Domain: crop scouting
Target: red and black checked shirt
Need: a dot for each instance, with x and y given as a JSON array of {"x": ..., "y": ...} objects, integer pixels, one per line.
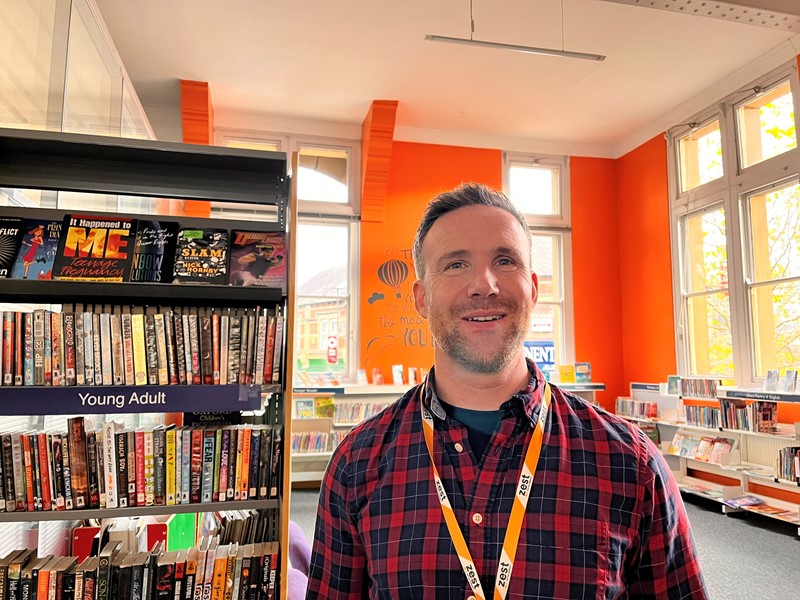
[{"x": 604, "y": 519}]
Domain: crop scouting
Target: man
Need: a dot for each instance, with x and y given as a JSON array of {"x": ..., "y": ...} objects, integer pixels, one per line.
[{"x": 485, "y": 481}]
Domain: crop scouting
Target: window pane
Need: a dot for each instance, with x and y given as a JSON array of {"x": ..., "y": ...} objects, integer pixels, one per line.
[
  {"x": 322, "y": 302},
  {"x": 705, "y": 252},
  {"x": 766, "y": 126},
  {"x": 776, "y": 336},
  {"x": 26, "y": 44},
  {"x": 710, "y": 341},
  {"x": 322, "y": 175},
  {"x": 252, "y": 145},
  {"x": 700, "y": 156},
  {"x": 534, "y": 189},
  {"x": 546, "y": 264},
  {"x": 775, "y": 233}
]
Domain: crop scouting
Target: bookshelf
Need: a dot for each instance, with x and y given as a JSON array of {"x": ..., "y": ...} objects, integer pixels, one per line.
[
  {"x": 142, "y": 168},
  {"x": 748, "y": 469}
]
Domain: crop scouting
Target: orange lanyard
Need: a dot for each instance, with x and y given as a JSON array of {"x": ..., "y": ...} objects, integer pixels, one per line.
[{"x": 514, "y": 528}]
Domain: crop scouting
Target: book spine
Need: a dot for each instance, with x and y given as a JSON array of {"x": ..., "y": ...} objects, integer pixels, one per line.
[
  {"x": 139, "y": 349},
  {"x": 225, "y": 448},
  {"x": 98, "y": 348},
  {"x": 178, "y": 457},
  {"x": 161, "y": 349},
  {"x": 48, "y": 348},
  {"x": 29, "y": 350},
  {"x": 170, "y": 467},
  {"x": 67, "y": 470},
  {"x": 244, "y": 339},
  {"x": 88, "y": 347},
  {"x": 110, "y": 464},
  {"x": 194, "y": 344},
  {"x": 224, "y": 327},
  {"x": 206, "y": 349},
  {"x": 187, "y": 346},
  {"x": 208, "y": 465},
  {"x": 278, "y": 346},
  {"x": 160, "y": 459},
  {"x": 20, "y": 488},
  {"x": 180, "y": 350},
  {"x": 8, "y": 473},
  {"x": 126, "y": 327},
  {"x": 8, "y": 348},
  {"x": 30, "y": 501},
  {"x": 244, "y": 487},
  {"x": 275, "y": 467},
  {"x": 217, "y": 462},
  {"x": 133, "y": 470},
  {"x": 215, "y": 349},
  {"x": 237, "y": 487},
  {"x": 234, "y": 345},
  {"x": 172, "y": 354},
  {"x": 264, "y": 463},
  {"x": 149, "y": 469},
  {"x": 44, "y": 472},
  {"x": 19, "y": 360},
  {"x": 80, "y": 361},
  {"x": 57, "y": 354},
  {"x": 106, "y": 350},
  {"x": 91, "y": 470},
  {"x": 117, "y": 346},
  {"x": 69, "y": 348},
  {"x": 36, "y": 470},
  {"x": 38, "y": 347},
  {"x": 255, "y": 452},
  {"x": 186, "y": 464},
  {"x": 261, "y": 337},
  {"x": 230, "y": 491},
  {"x": 141, "y": 481},
  {"x": 58, "y": 471},
  {"x": 252, "y": 335},
  {"x": 196, "y": 466},
  {"x": 191, "y": 572},
  {"x": 151, "y": 347},
  {"x": 121, "y": 445}
]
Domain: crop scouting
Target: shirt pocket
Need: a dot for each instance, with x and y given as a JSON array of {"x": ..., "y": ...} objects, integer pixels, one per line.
[{"x": 576, "y": 570}]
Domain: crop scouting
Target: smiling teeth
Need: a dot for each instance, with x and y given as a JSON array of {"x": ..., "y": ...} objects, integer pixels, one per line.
[{"x": 483, "y": 318}]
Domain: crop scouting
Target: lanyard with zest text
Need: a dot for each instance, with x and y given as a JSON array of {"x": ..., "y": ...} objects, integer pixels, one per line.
[{"x": 517, "y": 511}]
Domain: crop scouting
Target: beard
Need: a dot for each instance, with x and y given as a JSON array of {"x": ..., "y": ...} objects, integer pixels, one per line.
[{"x": 493, "y": 355}]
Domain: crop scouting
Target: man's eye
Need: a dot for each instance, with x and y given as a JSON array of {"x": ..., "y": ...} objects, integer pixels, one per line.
[
  {"x": 505, "y": 262},
  {"x": 455, "y": 265}
]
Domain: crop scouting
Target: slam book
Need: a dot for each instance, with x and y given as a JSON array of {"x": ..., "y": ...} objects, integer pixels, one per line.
[
  {"x": 95, "y": 248},
  {"x": 154, "y": 251},
  {"x": 201, "y": 256}
]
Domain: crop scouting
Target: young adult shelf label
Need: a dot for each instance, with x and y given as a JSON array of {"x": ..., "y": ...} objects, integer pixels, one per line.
[{"x": 122, "y": 399}]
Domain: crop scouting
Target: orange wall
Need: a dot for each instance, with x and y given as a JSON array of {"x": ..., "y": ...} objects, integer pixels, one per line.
[
  {"x": 595, "y": 273},
  {"x": 391, "y": 330},
  {"x": 645, "y": 268}
]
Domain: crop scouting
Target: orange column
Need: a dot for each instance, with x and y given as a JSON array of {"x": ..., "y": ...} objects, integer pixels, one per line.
[{"x": 377, "y": 133}]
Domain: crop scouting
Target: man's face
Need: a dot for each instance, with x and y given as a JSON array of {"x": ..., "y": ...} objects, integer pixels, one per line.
[{"x": 478, "y": 291}]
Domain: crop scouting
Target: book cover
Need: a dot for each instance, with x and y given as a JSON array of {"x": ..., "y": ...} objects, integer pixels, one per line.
[
  {"x": 11, "y": 231},
  {"x": 95, "y": 248},
  {"x": 720, "y": 448},
  {"x": 37, "y": 249},
  {"x": 703, "y": 451},
  {"x": 201, "y": 256},
  {"x": 771, "y": 382},
  {"x": 154, "y": 251},
  {"x": 258, "y": 258}
]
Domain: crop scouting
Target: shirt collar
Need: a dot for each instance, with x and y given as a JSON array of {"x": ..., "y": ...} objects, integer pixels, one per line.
[{"x": 530, "y": 396}]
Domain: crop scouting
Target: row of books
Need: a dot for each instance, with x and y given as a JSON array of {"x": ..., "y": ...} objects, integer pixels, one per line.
[
  {"x": 759, "y": 416},
  {"x": 702, "y": 416},
  {"x": 355, "y": 412},
  {"x": 118, "y": 468},
  {"x": 787, "y": 464},
  {"x": 705, "y": 448},
  {"x": 115, "y": 248},
  {"x": 638, "y": 409},
  {"x": 108, "y": 345},
  {"x": 310, "y": 441},
  {"x": 699, "y": 387},
  {"x": 211, "y": 571},
  {"x": 786, "y": 384}
]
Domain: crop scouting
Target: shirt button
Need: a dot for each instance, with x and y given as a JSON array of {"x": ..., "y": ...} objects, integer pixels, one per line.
[
  {"x": 459, "y": 447},
  {"x": 470, "y": 597},
  {"x": 477, "y": 518}
]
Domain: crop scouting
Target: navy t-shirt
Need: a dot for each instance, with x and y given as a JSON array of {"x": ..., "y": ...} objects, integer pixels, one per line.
[{"x": 480, "y": 425}]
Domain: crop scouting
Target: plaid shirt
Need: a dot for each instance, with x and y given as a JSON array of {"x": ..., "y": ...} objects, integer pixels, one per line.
[{"x": 604, "y": 520}]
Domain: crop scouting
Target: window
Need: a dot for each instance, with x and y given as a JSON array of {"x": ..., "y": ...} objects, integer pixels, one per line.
[
  {"x": 700, "y": 156},
  {"x": 737, "y": 242},
  {"x": 536, "y": 185},
  {"x": 326, "y": 331}
]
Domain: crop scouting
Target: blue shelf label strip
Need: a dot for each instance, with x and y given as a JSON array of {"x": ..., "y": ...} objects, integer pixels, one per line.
[
  {"x": 649, "y": 387},
  {"x": 122, "y": 399}
]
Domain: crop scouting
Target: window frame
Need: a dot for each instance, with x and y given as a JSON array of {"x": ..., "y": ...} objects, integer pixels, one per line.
[
  {"x": 558, "y": 163},
  {"x": 731, "y": 191}
]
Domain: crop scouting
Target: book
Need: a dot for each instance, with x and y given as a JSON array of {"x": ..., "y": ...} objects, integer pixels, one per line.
[
  {"x": 258, "y": 258},
  {"x": 154, "y": 251},
  {"x": 771, "y": 382},
  {"x": 583, "y": 372},
  {"x": 37, "y": 249},
  {"x": 787, "y": 384},
  {"x": 201, "y": 256},
  {"x": 703, "y": 451},
  {"x": 93, "y": 248},
  {"x": 11, "y": 231}
]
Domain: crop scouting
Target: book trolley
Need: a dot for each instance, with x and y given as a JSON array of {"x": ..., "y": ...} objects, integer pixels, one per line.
[{"x": 79, "y": 163}]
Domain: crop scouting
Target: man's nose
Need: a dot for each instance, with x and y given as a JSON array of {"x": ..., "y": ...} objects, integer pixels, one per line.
[{"x": 483, "y": 282}]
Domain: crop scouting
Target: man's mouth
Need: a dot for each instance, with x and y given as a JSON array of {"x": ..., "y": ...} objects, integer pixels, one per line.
[{"x": 483, "y": 319}]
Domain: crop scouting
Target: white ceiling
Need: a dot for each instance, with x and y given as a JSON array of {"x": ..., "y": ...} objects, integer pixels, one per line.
[{"x": 327, "y": 60}]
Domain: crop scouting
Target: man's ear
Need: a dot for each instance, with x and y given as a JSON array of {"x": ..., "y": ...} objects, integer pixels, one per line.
[
  {"x": 419, "y": 298},
  {"x": 534, "y": 287}
]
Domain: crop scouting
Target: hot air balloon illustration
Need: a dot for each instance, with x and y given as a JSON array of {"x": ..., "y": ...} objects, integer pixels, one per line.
[{"x": 393, "y": 273}]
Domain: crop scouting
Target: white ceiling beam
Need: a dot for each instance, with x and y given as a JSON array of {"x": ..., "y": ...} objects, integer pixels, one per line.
[{"x": 774, "y": 14}]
